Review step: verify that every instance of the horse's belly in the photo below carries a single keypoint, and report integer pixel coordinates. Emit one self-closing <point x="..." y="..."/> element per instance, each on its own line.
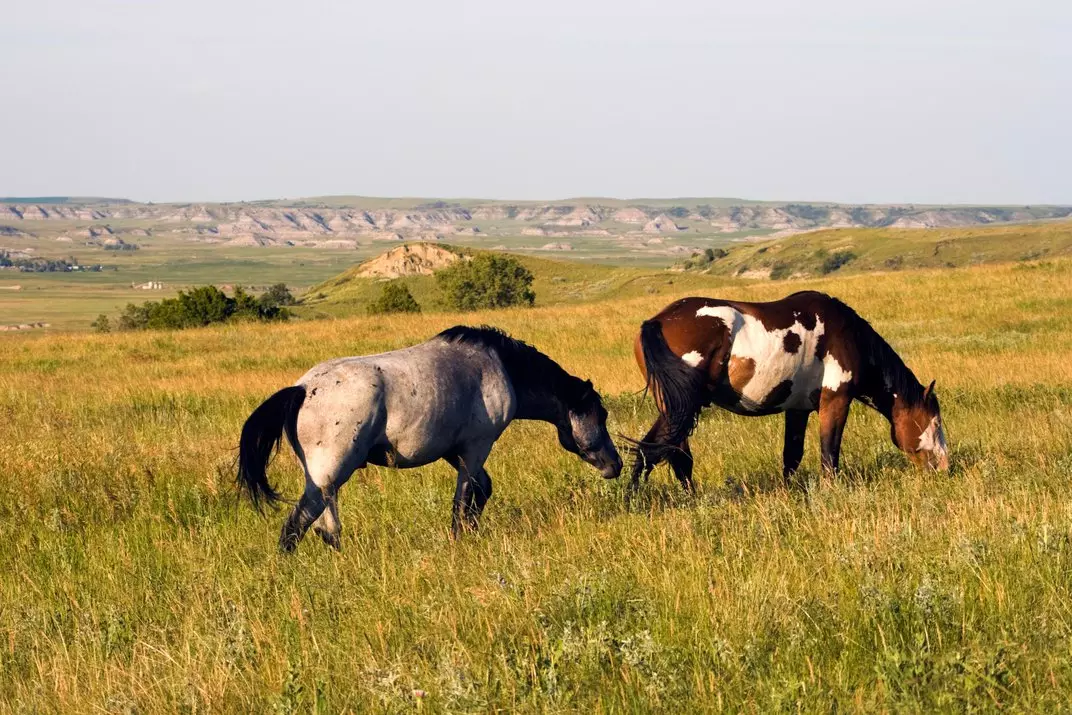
<point x="772" y="370"/>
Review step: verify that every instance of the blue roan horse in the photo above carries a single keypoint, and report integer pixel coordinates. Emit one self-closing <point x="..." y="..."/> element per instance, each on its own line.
<point x="449" y="398"/>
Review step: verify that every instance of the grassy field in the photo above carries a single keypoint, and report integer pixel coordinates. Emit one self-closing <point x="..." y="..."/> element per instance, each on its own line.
<point x="132" y="581"/>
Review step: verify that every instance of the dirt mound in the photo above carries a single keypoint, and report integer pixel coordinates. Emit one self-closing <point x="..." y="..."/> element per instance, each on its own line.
<point x="630" y="215"/>
<point x="412" y="259"/>
<point x="661" y="224"/>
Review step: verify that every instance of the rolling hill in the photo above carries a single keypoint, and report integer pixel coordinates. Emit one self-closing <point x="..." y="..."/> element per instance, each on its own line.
<point x="886" y="249"/>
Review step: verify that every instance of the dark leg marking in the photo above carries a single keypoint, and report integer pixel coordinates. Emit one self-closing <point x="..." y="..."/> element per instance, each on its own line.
<point x="796" y="426"/>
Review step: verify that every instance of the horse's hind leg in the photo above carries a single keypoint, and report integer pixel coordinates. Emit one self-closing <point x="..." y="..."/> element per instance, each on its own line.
<point x="681" y="462"/>
<point x="308" y="510"/>
<point x="327" y="526"/>
<point x="646" y="457"/>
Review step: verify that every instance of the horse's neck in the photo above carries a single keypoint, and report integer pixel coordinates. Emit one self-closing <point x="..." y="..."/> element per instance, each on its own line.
<point x="539" y="397"/>
<point x="538" y="404"/>
<point x="877" y="392"/>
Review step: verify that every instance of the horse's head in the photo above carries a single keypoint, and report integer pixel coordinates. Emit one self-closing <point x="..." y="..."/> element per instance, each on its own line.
<point x="917" y="430"/>
<point x="586" y="433"/>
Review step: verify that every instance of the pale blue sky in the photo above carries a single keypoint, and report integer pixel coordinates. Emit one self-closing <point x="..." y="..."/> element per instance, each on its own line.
<point x="844" y="100"/>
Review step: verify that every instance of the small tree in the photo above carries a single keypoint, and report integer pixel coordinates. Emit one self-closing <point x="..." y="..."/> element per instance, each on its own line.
<point x="487" y="281"/>
<point x="395" y="298"/>
<point x="277" y="295"/>
<point x="102" y="324"/>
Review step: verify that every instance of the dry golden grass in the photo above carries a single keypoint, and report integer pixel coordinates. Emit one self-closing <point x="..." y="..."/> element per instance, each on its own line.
<point x="131" y="581"/>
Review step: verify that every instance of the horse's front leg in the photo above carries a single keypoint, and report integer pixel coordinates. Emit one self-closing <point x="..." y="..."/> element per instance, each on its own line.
<point x="461" y="502"/>
<point x="479" y="493"/>
<point x="681" y="462"/>
<point x="833" y="413"/>
<point x="796" y="427"/>
<point x="473" y="487"/>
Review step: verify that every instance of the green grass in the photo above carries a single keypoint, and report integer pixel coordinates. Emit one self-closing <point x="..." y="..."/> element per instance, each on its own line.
<point x="132" y="581"/>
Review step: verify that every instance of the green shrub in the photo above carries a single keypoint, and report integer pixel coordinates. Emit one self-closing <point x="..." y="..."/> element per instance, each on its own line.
<point x="102" y="324"/>
<point x="835" y="261"/>
<point x="780" y="270"/>
<point x="486" y="281"/>
<point x="201" y="306"/>
<point x="395" y="298"/>
<point x="277" y="295"/>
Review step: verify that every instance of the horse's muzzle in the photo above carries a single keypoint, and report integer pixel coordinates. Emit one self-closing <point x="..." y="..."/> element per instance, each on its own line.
<point x="612" y="470"/>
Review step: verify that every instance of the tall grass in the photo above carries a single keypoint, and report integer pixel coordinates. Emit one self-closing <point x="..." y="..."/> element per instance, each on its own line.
<point x="132" y="581"/>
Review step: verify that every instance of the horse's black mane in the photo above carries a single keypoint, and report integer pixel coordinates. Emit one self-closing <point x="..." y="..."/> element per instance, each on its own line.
<point x="528" y="368"/>
<point x="887" y="365"/>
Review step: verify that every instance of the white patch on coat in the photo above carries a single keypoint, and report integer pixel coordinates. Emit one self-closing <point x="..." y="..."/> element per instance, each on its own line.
<point x="692" y="358"/>
<point x="834" y="376"/>
<point x="773" y="365"/>
<point x="731" y="317"/>
<point x="933" y="438"/>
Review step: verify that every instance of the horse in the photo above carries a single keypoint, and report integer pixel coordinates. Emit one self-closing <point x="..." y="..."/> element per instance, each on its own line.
<point x="808" y="352"/>
<point x="448" y="398"/>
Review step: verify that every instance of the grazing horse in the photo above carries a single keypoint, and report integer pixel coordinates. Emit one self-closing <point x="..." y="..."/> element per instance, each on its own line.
<point x="448" y="398"/>
<point x="805" y="353"/>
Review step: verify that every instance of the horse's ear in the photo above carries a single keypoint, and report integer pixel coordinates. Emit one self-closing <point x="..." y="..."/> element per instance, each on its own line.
<point x="929" y="392"/>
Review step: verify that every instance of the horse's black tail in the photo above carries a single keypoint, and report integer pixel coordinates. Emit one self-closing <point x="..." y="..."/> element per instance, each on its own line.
<point x="678" y="389"/>
<point x="262" y="434"/>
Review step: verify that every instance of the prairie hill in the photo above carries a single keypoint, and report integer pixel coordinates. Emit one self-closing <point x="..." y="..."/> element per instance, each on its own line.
<point x="854" y="250"/>
<point x="556" y="282"/>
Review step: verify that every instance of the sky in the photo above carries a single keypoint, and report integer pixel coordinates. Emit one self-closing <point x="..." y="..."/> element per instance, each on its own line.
<point x="923" y="101"/>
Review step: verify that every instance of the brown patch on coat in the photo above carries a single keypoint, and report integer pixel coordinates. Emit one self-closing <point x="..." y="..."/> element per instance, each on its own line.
<point x="740" y="372"/>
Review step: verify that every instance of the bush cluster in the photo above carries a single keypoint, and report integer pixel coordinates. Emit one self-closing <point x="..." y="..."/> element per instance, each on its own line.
<point x="486" y="281"/>
<point x="835" y="261"/>
<point x="703" y="260"/>
<point x="395" y="298"/>
<point x="204" y="305"/>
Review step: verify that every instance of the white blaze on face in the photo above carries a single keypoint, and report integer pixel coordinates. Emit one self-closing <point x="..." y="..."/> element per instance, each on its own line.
<point x="933" y="438"/>
<point x="834" y="376"/>
<point x="766" y="348"/>
<point x="692" y="358"/>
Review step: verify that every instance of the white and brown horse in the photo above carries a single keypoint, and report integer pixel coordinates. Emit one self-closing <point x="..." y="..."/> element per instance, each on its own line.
<point x="806" y="353"/>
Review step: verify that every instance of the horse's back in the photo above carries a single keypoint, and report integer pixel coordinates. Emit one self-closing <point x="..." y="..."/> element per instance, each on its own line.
<point x="411" y="404"/>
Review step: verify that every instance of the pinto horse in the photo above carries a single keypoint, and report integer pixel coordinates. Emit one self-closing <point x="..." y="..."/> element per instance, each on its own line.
<point x="805" y="353"/>
<point x="448" y="398"/>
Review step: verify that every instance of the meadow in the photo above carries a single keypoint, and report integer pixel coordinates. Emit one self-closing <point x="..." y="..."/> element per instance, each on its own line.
<point x="133" y="580"/>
